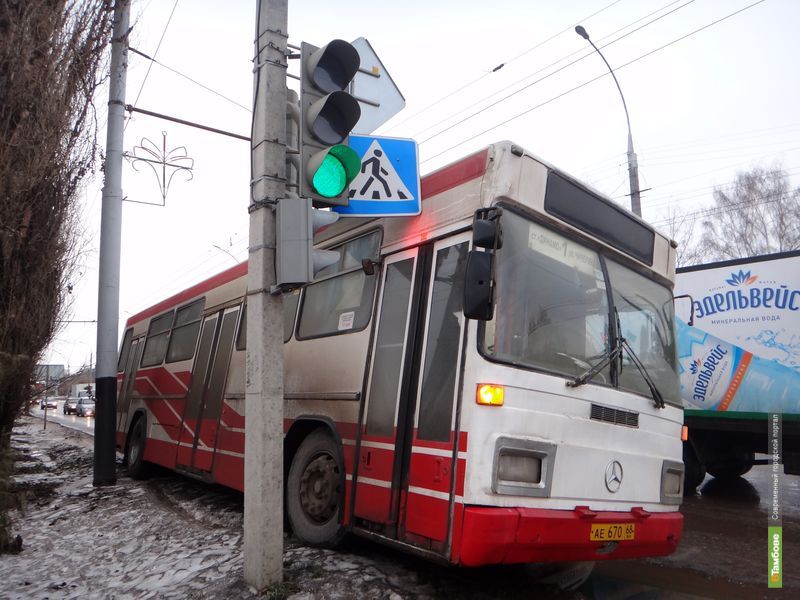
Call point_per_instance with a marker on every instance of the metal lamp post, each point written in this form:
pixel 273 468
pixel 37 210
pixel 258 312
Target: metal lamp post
pixel 633 166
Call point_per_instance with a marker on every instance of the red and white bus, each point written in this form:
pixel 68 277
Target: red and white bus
pixel 492 381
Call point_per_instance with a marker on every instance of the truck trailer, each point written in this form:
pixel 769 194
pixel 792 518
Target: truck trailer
pixel 739 362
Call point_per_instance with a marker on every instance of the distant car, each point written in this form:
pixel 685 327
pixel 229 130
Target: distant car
pixel 71 405
pixel 85 407
pixel 49 402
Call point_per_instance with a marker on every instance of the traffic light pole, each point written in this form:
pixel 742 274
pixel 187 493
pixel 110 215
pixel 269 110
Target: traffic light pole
pixel 263 456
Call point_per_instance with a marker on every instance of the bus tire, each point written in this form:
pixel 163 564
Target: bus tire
pixel 138 468
pixel 730 465
pixel 314 491
pixel 694 470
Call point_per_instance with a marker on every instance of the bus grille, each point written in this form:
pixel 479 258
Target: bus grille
pixel 615 416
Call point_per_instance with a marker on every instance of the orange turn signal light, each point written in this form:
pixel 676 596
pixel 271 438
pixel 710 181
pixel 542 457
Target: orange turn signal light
pixel 684 433
pixel 489 394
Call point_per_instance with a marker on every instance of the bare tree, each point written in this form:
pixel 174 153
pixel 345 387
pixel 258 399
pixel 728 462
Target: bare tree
pixel 683 228
pixel 758 214
pixel 51 54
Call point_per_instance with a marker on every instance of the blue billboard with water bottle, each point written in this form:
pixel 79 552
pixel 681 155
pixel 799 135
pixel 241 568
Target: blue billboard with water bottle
pixel 743 352
pixel 739 363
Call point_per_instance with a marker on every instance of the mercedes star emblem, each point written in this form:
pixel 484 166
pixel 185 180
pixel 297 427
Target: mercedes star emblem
pixel 613 476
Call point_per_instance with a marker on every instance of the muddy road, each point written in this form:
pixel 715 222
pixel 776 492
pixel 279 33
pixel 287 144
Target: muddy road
pixel 723 553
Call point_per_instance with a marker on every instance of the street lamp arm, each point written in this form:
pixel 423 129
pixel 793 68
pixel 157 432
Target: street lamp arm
pixel 610 70
pixel 633 166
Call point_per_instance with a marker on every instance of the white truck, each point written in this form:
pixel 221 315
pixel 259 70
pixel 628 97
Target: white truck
pixel 82 390
pixel 739 362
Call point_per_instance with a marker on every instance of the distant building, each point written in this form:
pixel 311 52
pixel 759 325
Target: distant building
pixel 48 373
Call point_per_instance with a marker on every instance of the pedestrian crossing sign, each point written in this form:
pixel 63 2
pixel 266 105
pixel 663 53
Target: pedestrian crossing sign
pixel 388 183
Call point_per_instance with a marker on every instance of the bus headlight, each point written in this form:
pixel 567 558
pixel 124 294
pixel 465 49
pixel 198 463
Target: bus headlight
pixel 523 467
pixel 671 482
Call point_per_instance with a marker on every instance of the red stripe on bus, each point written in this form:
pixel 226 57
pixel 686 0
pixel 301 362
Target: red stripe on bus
pixel 449 177
pixel 376 463
pixel 185 377
pixel 164 416
pixel 196 290
pixel 372 502
pixel 229 470
pixel 427 516
pixel 231 441
pixel 163 382
pixel 160 452
pixel 430 472
pixel 231 418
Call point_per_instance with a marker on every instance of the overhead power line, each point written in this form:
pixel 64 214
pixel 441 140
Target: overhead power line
pixel 585 83
pixel 205 87
pixel 497 68
pixel 552 64
pixel 714 211
pixel 150 66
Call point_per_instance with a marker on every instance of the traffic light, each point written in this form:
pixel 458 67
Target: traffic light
pixel 296 259
pixel 328 114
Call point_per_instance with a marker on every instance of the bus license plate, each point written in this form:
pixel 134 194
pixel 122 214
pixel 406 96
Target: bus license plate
pixel 612 532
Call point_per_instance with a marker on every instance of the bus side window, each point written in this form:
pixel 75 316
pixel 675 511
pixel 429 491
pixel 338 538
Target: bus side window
pixel 341 303
pixel 124 350
pixel 183 340
pixel 155 348
pixel 241 336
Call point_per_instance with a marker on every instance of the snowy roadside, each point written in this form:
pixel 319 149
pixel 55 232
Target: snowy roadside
pixel 123 541
pixel 171 537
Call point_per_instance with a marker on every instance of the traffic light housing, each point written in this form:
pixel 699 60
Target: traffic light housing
pixel 327 115
pixel 297 261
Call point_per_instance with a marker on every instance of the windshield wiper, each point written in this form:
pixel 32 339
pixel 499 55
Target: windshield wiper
pixel 594 370
pixel 611 355
pixel 657 397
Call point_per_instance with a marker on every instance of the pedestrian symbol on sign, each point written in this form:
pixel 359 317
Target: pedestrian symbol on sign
pixel 378 179
pixel 388 182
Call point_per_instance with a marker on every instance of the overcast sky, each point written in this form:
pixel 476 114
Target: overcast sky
pixel 708 96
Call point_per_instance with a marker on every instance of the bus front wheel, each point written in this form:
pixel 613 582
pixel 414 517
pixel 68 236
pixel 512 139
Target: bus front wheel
pixel 314 491
pixel 134 450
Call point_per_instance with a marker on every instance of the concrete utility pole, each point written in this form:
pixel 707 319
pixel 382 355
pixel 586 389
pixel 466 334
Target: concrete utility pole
pixel 263 454
pixel 633 164
pixel 105 468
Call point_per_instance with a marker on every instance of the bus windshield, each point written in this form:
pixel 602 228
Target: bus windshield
pixel 552 311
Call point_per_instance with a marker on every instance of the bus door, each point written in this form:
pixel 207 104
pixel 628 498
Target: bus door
pixel 405 471
pixel 378 482
pixel 127 388
pixel 200 424
pixel 431 457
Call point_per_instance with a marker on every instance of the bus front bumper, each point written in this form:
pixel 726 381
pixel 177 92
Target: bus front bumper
pixel 525 535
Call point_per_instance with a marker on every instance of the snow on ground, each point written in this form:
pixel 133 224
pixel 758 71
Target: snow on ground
pixel 123 541
pixel 172 537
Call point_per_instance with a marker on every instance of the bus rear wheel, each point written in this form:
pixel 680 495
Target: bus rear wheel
pixel 314 491
pixel 134 450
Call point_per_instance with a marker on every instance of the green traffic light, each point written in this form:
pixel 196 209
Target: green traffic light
pixel 337 169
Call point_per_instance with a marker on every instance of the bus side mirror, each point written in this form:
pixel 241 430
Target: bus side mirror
pixel 486 230
pixel 691 310
pixel 486 234
pixel 478 301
